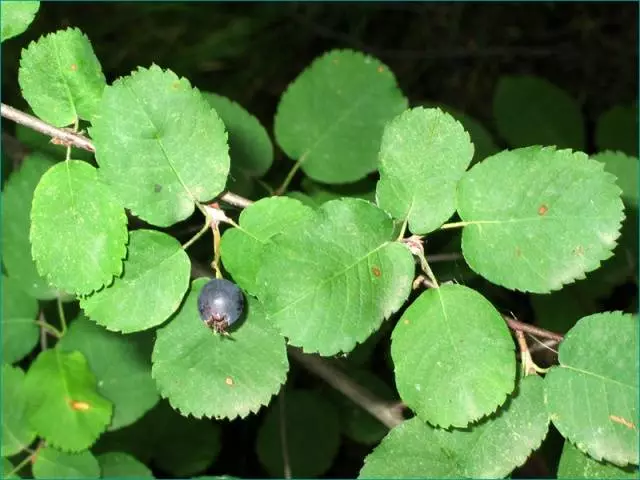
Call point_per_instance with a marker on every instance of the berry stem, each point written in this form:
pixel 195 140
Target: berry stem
pixel 195 238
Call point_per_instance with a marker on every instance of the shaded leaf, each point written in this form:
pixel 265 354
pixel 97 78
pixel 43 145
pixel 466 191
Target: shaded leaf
pixel 332 115
pixel 52 463
pixel 532 111
pixel 20 332
pixel 119 465
pixel 331 281
pixel 17 433
pixel 250 147
pixel 159 160
pixel 63 403
pixel 242 248
pixel 446 333
pixel 16 17
pixel 152 286
pixel 490 449
pixel 312 431
pixel 122 366
pixel 178 445
pixel 538 218
pixel 61 78
pixel 205 374
pixel 424 154
pixel 592 394
pixel 617 129
pixel 78 231
pixel 16 223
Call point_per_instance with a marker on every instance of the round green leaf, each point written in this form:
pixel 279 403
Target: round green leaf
pixel 204 374
pixel 331 117
pixel 617 129
pixel 241 248
pixel 119 465
pixel 157 158
pixel 17 433
pixel 483 142
pixel 575 464
pixel 490 449
pixel 249 143
pixel 538 218
pixel 533 111
pixel 424 154
pixel 78 231
pixel 61 78
pixel 332 280
pixel 593 393
pixel 52 463
pixel 453 332
pixel 16 222
pixel 312 433
pixel 16 17
pixel 122 366
pixel 20 332
pixel 155 279
pixel 63 403
pixel 178 445
pixel 626 171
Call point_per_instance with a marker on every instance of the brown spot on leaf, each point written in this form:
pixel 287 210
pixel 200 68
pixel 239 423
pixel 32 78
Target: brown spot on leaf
pixel 157 188
pixel 543 209
pixel 579 251
pixel 518 252
pixel 77 405
pixel 376 271
pixel 229 381
pixel 406 321
pixel 380 69
pixel 622 421
pixel 175 85
pixel 74 67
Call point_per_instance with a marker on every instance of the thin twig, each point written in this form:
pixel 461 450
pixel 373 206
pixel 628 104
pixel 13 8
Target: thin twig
pixel 443 257
pixel 518 326
pixel 83 142
pixel 386 412
pixel 283 436
pixel 43 334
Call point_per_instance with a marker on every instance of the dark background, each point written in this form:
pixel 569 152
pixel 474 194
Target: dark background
pixel 453 53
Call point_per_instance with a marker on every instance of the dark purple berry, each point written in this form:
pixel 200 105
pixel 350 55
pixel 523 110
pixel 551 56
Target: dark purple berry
pixel 220 304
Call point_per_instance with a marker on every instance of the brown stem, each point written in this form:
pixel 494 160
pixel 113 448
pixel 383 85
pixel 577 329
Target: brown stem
pixel 518 326
pixel 386 412
pixel 80 141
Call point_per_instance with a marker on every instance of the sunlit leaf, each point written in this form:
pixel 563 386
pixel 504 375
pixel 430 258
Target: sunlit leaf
pixel 64 405
pixel 453 332
pixel 16 17
pixel 204 374
pixel 424 154
pixel 151 288
pixel 331 281
pixel 538 218
pixel 593 393
pixel 78 231
pixel 158 159
pixel 61 78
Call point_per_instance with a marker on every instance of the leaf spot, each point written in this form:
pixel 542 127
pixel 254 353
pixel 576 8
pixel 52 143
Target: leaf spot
pixel 376 271
pixel 80 406
pixel 229 381
pixel 518 252
pixel 380 69
pixel 74 67
pixel 579 251
pixel 622 421
pixel 543 209
pixel 157 188
pixel 406 321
